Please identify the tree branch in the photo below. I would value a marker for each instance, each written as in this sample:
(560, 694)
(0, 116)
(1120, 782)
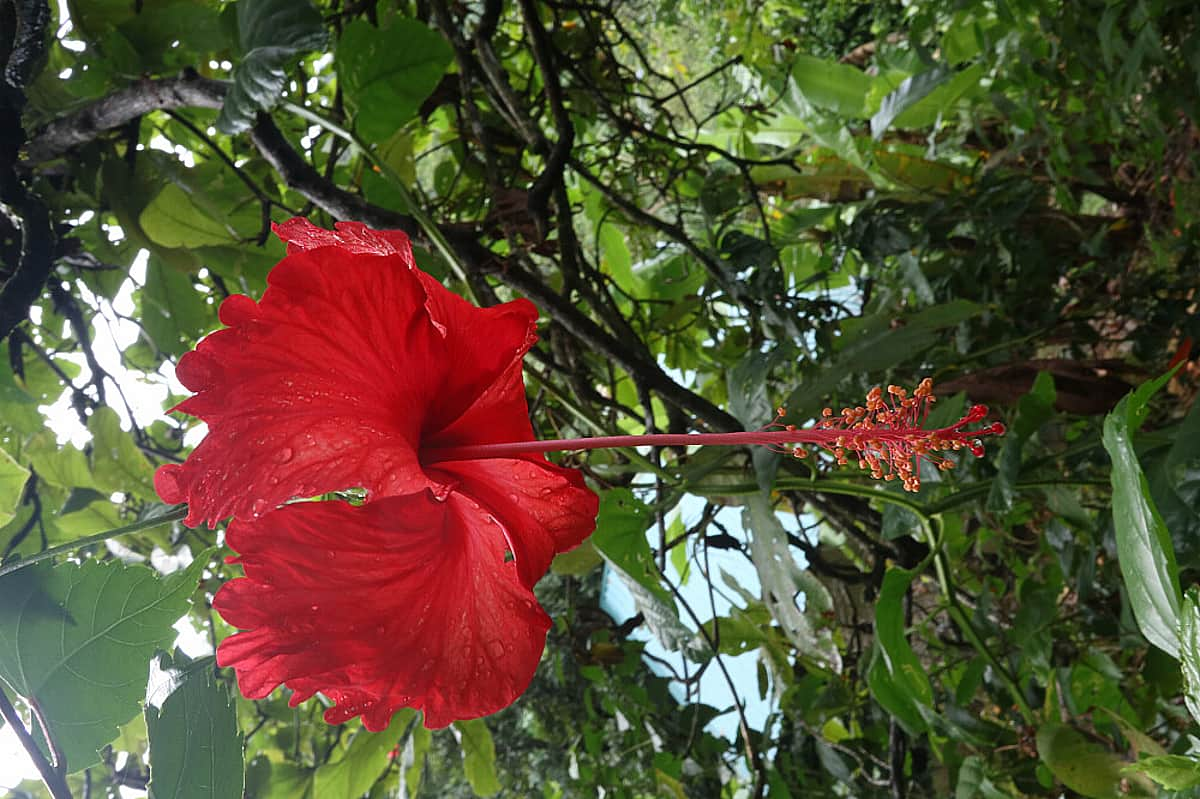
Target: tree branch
(189, 90)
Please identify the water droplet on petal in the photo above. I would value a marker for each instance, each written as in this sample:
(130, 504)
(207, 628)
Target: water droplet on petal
(258, 508)
(284, 455)
(496, 648)
(315, 608)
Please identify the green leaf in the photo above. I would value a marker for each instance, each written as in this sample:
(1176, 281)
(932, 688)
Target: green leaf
(117, 463)
(620, 538)
(66, 467)
(943, 98)
(578, 561)
(831, 86)
(1084, 766)
(974, 783)
(352, 771)
(195, 746)
(910, 92)
(1189, 650)
(12, 484)
(271, 32)
(18, 409)
(1174, 772)
(77, 638)
(174, 313)
(172, 219)
(896, 677)
(387, 73)
(783, 581)
(479, 756)
(1143, 544)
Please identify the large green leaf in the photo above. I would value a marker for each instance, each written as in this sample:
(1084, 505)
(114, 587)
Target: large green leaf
(387, 73)
(1143, 543)
(173, 220)
(479, 756)
(896, 677)
(832, 86)
(77, 638)
(783, 582)
(1085, 766)
(12, 484)
(195, 746)
(271, 33)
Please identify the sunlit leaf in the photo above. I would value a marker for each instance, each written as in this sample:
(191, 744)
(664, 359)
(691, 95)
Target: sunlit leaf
(77, 639)
(388, 72)
(479, 756)
(12, 484)
(195, 746)
(1143, 543)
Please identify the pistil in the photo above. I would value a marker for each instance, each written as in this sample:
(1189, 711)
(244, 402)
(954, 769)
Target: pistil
(885, 435)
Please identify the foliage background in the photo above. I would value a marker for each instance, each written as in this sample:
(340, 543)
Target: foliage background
(719, 207)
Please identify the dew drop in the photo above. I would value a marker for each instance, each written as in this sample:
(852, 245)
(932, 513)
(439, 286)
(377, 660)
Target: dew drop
(284, 455)
(496, 648)
(314, 608)
(258, 508)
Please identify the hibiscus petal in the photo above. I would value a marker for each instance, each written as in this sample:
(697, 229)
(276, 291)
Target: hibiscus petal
(544, 509)
(353, 237)
(403, 602)
(333, 379)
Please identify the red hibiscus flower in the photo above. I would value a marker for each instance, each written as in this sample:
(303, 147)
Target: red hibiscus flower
(355, 370)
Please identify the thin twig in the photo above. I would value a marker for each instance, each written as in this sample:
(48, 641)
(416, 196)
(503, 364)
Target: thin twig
(55, 781)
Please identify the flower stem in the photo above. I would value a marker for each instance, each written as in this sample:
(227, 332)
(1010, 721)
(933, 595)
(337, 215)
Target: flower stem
(173, 515)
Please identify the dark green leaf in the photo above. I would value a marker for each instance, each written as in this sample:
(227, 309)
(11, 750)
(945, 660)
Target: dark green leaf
(1143, 543)
(77, 638)
(272, 33)
(195, 746)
